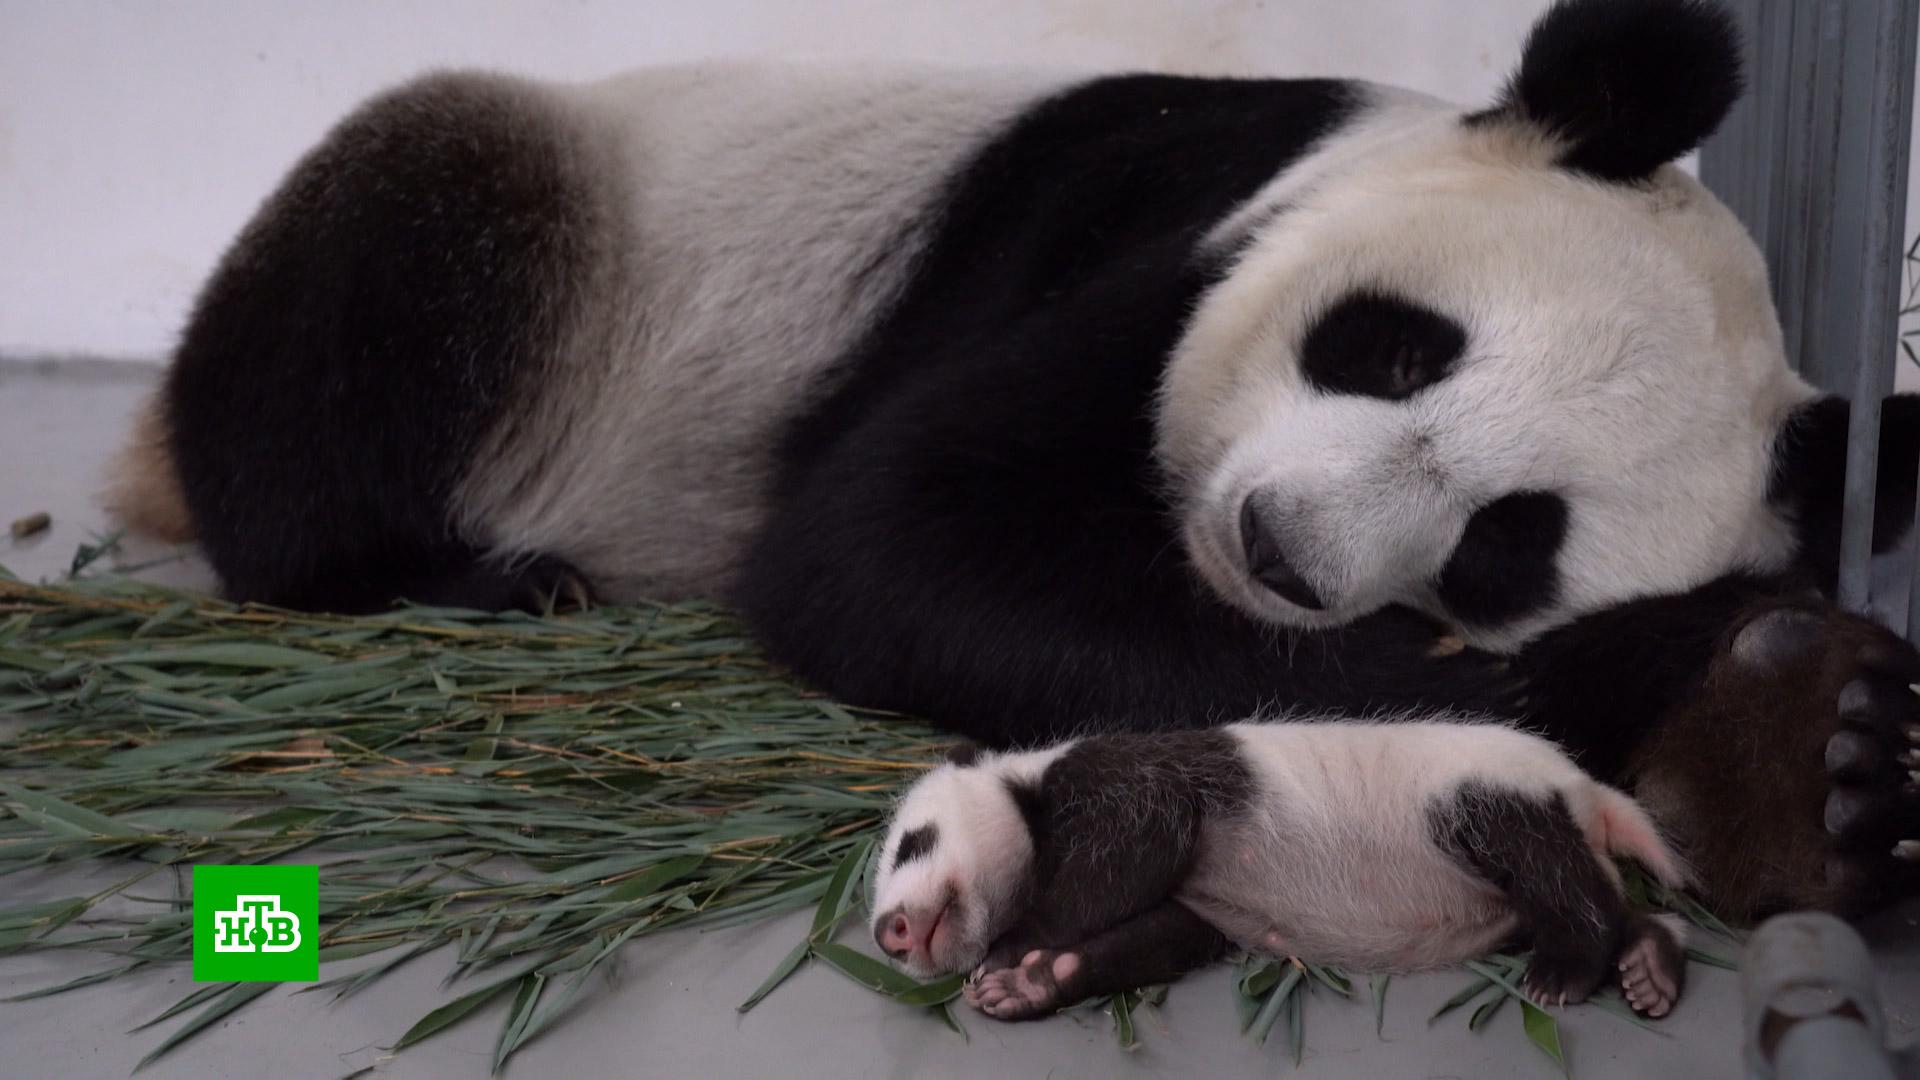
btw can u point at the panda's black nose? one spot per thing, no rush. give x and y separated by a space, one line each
1267 563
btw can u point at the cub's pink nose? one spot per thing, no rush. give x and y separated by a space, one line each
895 935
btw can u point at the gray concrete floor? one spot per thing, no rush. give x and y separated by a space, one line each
669 1011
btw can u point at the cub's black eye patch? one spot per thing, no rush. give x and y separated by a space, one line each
915 843
1505 564
1380 346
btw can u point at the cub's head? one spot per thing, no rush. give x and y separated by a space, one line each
1505 366
955 866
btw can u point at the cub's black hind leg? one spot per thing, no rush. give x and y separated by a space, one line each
1653 966
1533 851
378 327
1164 943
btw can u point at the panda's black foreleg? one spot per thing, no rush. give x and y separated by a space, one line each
535 584
1532 850
1158 946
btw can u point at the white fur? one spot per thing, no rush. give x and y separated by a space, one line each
745 200
1335 861
1623 352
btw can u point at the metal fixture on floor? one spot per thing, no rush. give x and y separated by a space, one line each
1812 1009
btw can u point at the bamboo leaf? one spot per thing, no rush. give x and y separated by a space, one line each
235 996
454 1011
865 970
839 896
1270 1009
1486 1010
1473 990
936 992
60 815
1122 1010
1544 1032
786 967
1379 986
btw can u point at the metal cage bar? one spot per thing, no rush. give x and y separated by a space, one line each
1814 161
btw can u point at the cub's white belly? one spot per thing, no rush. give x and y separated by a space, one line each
1351 892
1334 860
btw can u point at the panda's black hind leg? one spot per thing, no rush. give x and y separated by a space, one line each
1533 851
378 334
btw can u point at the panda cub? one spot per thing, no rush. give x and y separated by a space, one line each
1105 863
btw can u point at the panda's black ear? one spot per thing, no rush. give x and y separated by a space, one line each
1627 85
963 753
1809 476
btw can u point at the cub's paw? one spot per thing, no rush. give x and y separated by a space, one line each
1029 989
1653 968
1557 977
1793 778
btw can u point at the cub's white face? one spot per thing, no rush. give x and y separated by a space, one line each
950 871
1447 374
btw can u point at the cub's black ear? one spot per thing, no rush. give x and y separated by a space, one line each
964 753
1810 471
1627 85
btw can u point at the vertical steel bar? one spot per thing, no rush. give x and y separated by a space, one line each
1817 169
1881 38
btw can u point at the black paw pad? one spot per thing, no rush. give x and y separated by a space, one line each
1874 760
1778 638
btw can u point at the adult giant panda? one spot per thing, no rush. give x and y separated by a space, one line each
1038 403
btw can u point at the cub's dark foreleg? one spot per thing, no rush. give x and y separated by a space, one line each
375 326
1158 946
1115 827
1533 851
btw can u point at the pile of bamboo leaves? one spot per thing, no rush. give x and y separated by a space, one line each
533 792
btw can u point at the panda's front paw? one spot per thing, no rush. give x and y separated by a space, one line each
1872 811
1036 986
1793 778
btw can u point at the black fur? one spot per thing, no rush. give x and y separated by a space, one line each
1380 346
1506 563
971 528
1157 946
916 843
1115 823
1809 475
1537 855
1629 85
362 337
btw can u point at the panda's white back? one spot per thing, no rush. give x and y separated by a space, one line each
762 216
1335 857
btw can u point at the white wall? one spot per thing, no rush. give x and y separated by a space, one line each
136 137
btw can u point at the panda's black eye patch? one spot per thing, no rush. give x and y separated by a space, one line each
1505 565
1380 346
915 843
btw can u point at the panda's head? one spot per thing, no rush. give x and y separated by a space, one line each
1504 366
954 869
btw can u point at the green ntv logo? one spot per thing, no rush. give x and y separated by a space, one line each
256 923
